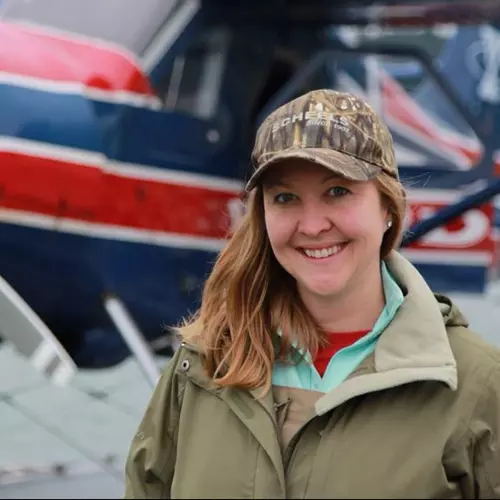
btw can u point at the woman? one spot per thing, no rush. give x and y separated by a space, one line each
320 364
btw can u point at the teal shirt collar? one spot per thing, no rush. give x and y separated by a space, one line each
393 299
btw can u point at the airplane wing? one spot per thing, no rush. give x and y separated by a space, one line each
22 327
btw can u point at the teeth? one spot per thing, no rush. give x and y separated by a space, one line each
324 252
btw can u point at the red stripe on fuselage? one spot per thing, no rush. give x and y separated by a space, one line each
34 53
67 190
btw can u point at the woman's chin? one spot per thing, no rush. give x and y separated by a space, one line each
322 288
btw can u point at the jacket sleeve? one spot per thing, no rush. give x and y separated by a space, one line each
486 431
150 464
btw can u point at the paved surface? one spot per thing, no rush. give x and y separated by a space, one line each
89 485
84 430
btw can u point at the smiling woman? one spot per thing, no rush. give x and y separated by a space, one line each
320 364
326 232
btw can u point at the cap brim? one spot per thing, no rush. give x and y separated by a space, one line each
344 165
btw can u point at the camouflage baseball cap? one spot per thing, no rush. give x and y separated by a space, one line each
337 130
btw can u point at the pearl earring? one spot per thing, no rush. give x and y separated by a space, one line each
389 224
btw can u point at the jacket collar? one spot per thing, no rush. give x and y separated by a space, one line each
417 336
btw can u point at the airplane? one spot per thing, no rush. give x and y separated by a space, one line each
125 138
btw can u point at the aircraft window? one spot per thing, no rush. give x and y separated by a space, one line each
129 23
193 85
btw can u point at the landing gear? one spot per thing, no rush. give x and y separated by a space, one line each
133 337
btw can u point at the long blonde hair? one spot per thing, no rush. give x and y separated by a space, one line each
248 297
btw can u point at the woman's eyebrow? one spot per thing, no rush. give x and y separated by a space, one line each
276 182
332 176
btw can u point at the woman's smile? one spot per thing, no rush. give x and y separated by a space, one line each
323 253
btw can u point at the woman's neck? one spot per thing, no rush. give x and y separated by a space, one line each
356 308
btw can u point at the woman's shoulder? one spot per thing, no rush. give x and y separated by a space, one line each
477 359
468 345
478 368
473 352
475 343
187 364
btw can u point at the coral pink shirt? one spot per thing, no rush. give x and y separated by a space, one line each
337 341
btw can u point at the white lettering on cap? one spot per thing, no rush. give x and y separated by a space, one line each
314 117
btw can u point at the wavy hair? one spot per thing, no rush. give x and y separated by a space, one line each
248 297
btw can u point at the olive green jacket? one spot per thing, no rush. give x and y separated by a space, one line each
419 418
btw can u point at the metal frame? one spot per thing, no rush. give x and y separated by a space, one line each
450 212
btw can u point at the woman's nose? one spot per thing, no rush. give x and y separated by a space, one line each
314 219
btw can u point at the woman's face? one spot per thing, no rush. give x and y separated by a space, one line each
325 231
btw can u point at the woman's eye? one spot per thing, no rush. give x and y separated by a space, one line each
338 191
283 198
